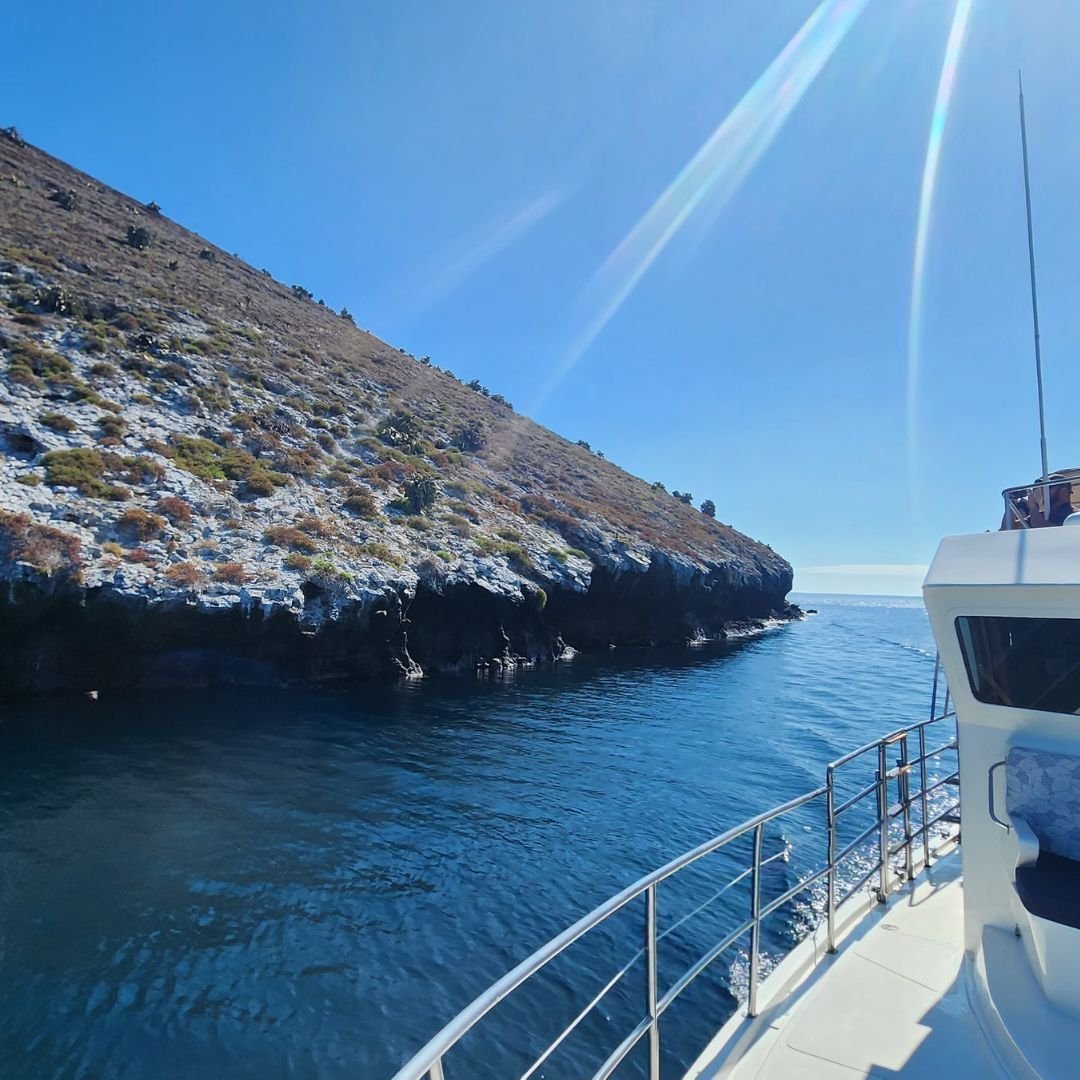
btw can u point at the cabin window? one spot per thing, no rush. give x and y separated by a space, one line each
1023 663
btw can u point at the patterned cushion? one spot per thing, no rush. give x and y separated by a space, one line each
1044 789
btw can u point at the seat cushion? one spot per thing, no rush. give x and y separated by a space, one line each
1050 889
1043 788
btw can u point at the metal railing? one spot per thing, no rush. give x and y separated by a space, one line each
891 833
1045 503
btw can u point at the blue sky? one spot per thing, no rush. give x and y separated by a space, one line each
462 177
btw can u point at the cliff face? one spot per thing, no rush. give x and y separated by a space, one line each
208 477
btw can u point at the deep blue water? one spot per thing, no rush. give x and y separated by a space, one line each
310 883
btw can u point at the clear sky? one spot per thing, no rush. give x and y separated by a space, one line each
638 224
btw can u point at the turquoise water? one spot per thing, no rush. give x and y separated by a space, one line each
310 883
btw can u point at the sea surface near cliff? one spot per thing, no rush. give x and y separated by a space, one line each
309 883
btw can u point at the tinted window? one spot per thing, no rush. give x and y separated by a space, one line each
1026 663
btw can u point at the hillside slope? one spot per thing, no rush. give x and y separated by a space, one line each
206 476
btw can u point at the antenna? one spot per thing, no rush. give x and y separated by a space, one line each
1034 292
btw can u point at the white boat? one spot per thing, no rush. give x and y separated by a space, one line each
932 957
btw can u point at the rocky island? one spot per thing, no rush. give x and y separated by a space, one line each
210 477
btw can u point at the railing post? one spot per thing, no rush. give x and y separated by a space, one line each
925 803
830 818
905 802
653 981
436 1070
883 821
755 925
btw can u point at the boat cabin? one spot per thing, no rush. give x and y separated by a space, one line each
1005 610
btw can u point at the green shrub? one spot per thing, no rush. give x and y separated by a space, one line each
29 479
42 362
470 437
515 553
446 556
259 484
380 552
58 421
337 477
401 430
138 237
295 561
420 524
81 469
211 461
420 493
112 426
174 371
708 508
361 504
66 199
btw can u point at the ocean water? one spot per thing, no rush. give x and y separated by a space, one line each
310 883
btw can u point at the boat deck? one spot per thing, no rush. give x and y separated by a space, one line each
892 1002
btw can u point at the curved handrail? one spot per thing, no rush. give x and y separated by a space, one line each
427 1062
422 1061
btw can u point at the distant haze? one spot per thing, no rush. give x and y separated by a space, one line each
874 579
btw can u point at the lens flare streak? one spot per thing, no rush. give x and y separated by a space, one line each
946 84
715 172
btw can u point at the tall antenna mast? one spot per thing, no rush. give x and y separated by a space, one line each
1034 292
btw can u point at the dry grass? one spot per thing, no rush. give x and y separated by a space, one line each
50 551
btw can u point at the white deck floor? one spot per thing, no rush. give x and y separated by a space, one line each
893 1002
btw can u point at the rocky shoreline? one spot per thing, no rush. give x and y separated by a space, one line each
56 638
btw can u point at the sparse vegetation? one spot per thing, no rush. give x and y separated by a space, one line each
66 199
361 504
233 573
186 574
140 524
402 430
211 461
380 551
138 237
470 437
175 509
81 469
48 550
58 421
420 493
287 536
